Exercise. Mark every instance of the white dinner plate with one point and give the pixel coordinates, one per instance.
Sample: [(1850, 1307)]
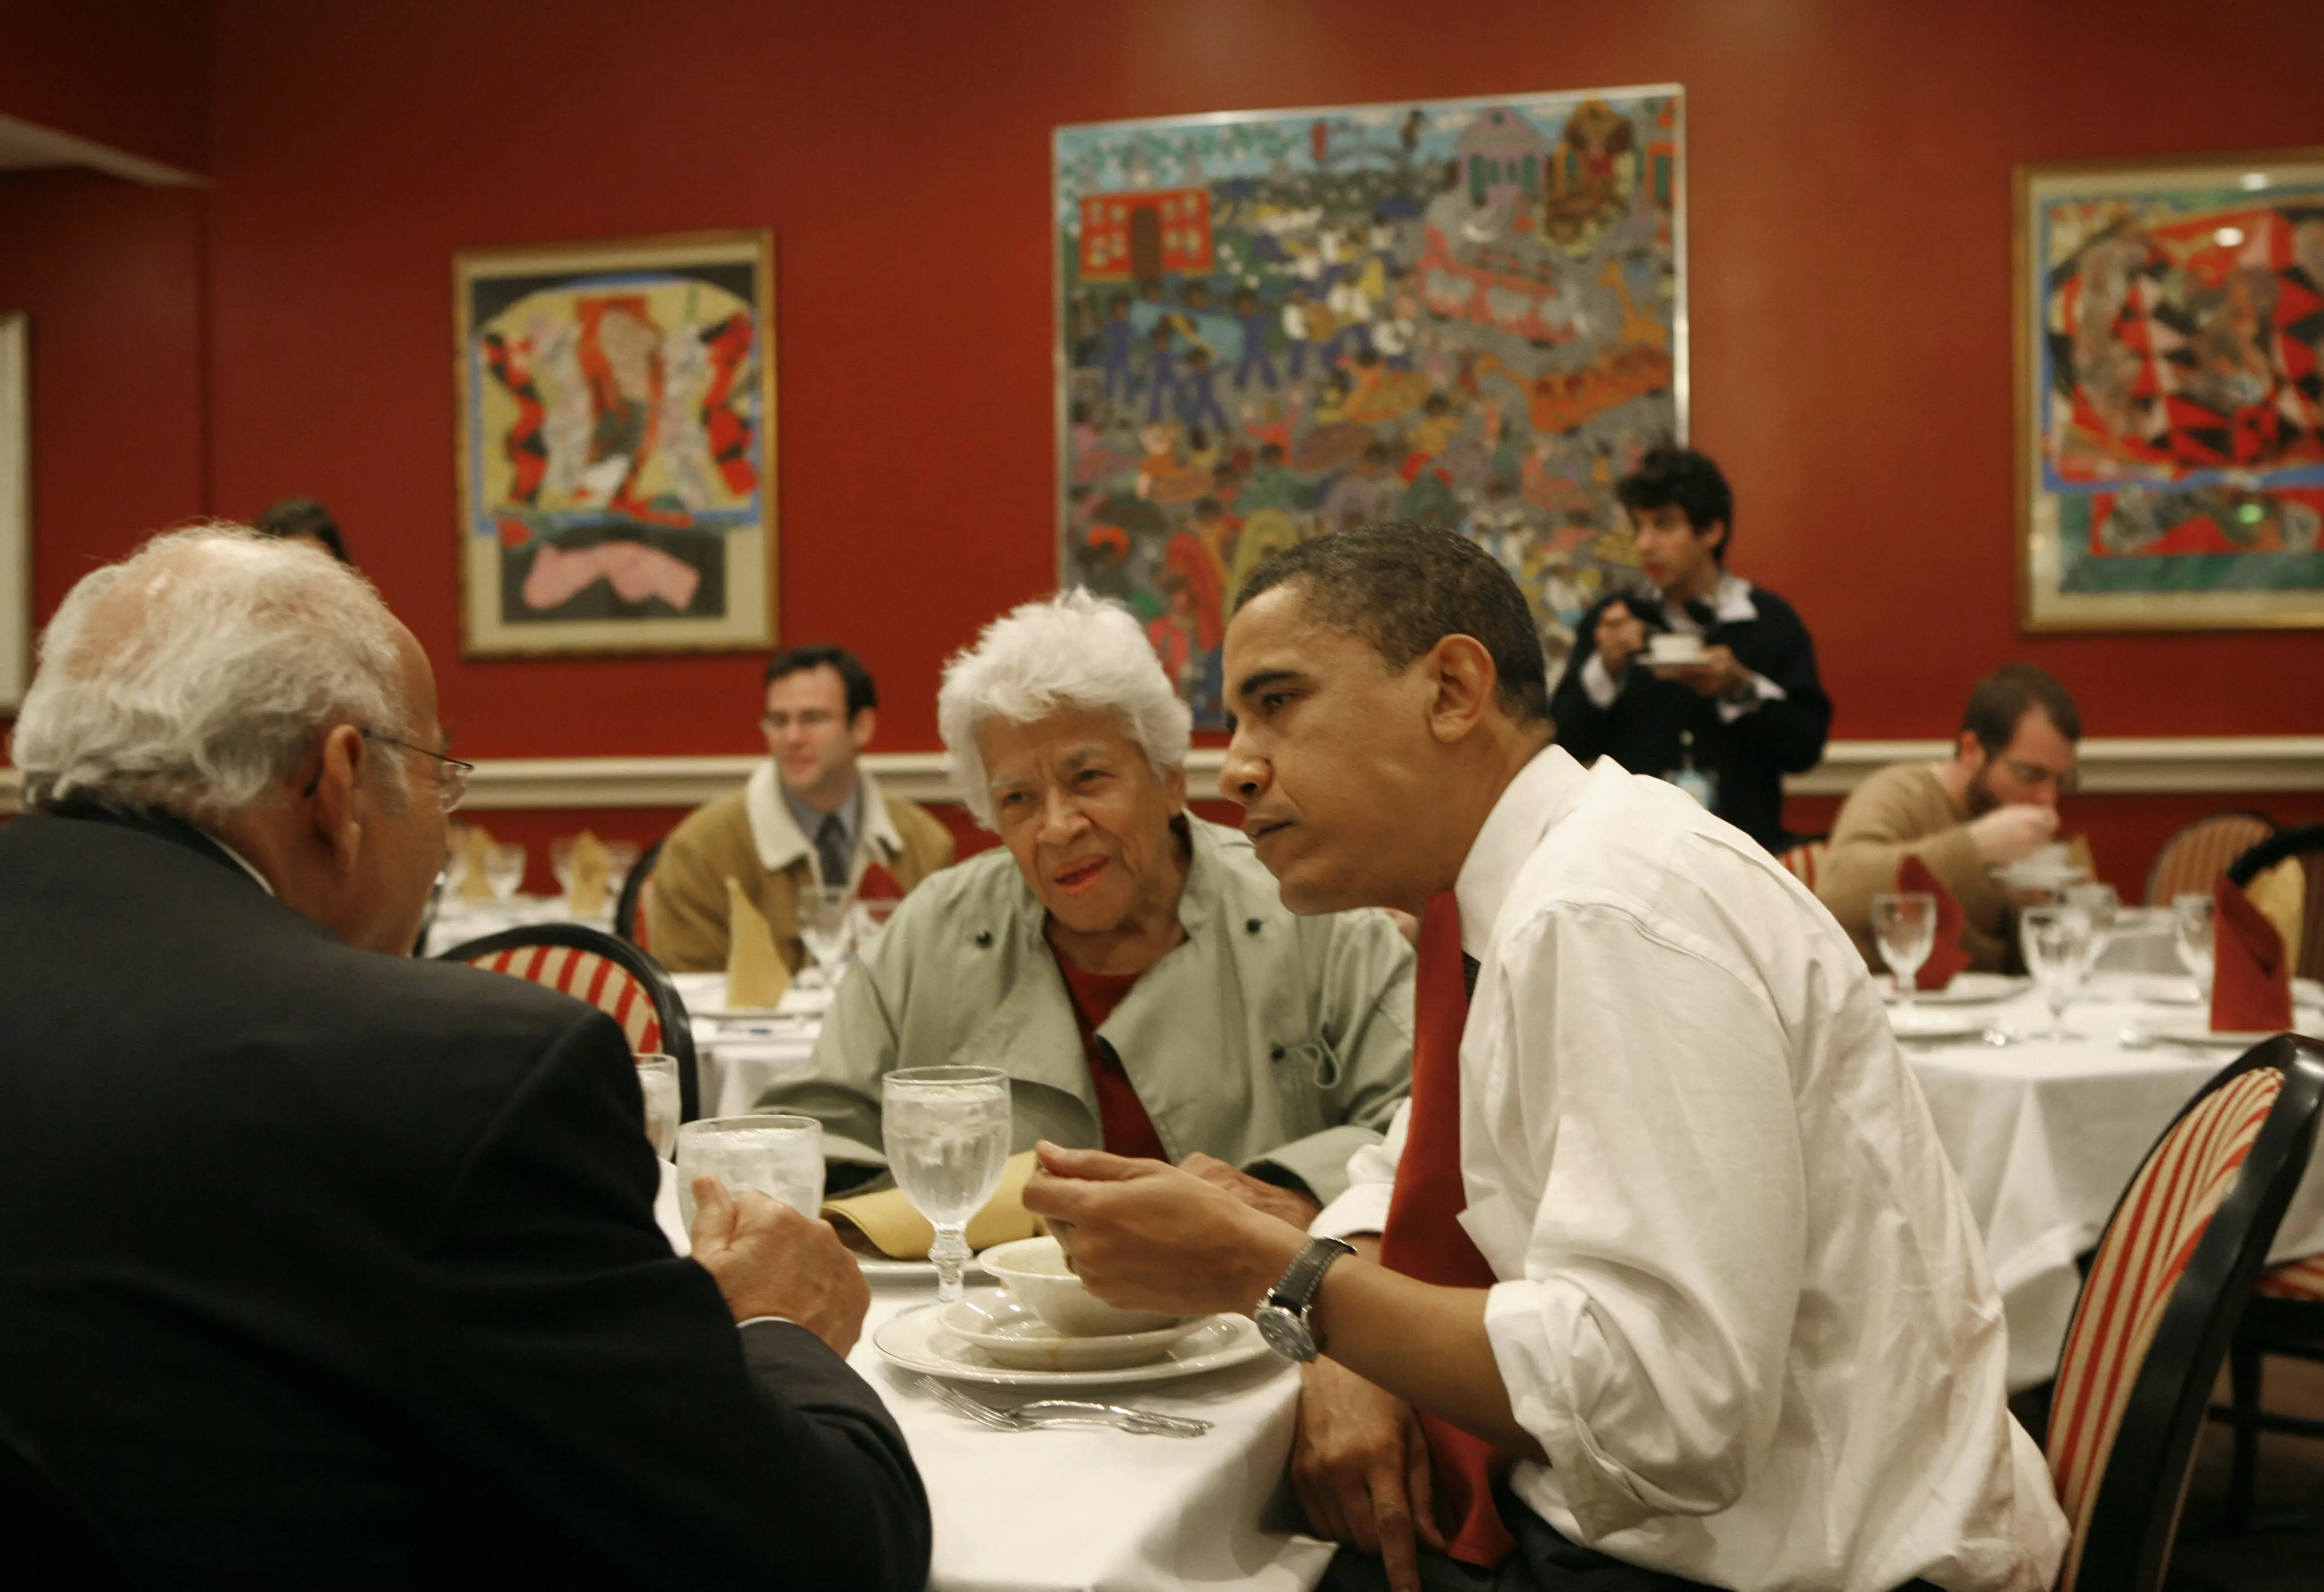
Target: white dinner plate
[(1967, 989), (919, 1341), (2195, 1029), (1935, 1027)]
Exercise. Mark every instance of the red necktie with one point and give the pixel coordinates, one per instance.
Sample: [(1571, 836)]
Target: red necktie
[(1424, 1237)]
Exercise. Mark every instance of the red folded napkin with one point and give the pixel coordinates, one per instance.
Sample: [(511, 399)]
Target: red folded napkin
[(2251, 978), (878, 884), (1946, 956)]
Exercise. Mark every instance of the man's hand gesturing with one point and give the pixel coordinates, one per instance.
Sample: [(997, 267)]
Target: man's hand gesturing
[(769, 1259)]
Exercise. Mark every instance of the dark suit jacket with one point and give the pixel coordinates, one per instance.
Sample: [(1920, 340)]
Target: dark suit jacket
[(326, 1268), (1750, 756)]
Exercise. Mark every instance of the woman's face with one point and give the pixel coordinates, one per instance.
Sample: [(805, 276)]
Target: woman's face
[(1082, 813)]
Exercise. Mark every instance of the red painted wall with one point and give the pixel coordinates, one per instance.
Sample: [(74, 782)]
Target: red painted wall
[(134, 74)]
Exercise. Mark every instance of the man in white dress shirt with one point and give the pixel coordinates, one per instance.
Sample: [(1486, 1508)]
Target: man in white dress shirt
[(1732, 1324)]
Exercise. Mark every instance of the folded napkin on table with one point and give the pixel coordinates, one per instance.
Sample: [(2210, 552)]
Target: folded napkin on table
[(901, 1233), (2281, 893), (2251, 976), (471, 844), (590, 864), (2079, 853), (1946, 956), (756, 976)]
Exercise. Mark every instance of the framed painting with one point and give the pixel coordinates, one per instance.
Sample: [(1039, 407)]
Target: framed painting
[(617, 445), (15, 511), (1272, 324), (2169, 401)]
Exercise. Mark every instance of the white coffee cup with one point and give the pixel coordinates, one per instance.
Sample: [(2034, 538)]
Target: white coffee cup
[(1674, 647)]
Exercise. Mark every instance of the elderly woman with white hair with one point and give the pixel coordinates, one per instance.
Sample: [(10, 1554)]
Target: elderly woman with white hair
[(1132, 967)]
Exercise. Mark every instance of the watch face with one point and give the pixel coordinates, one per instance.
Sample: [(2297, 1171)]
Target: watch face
[(1285, 1332)]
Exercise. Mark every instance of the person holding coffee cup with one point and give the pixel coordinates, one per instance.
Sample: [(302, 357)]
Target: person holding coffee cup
[(1711, 681)]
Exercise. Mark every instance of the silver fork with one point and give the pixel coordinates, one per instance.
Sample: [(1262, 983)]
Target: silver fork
[(1062, 1412)]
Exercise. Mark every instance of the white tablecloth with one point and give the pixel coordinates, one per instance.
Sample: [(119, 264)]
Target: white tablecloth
[(459, 921), (1096, 1510), (737, 1058), (2046, 1137)]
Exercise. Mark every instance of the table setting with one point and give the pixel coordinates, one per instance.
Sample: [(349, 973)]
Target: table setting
[(2047, 1090)]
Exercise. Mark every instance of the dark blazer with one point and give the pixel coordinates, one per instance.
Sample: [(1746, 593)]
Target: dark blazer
[(1750, 756), (325, 1268)]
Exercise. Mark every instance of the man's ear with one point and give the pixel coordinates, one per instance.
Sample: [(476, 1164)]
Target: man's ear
[(1463, 681), (860, 728), (332, 803), (1716, 537), (1970, 751)]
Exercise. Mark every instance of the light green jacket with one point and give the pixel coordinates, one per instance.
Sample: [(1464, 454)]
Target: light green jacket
[(1266, 1037)]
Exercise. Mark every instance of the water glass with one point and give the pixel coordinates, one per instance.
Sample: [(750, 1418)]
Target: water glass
[(827, 928), (658, 1082), (2100, 905), (2192, 928), (946, 1131), (2056, 942), (1904, 927), (505, 869), (777, 1155)]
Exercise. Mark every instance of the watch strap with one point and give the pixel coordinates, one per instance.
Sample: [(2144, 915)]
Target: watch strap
[(1297, 1289)]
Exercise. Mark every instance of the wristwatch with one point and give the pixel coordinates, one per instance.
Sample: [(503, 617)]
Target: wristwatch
[(1282, 1315)]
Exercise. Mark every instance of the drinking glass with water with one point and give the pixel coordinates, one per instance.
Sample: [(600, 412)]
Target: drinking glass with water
[(658, 1082), (1904, 927), (946, 1131), (2056, 941), (777, 1155), (2193, 929)]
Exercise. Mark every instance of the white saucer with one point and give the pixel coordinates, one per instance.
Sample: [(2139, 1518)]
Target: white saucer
[(1935, 1027), (1012, 1335), (1967, 989), (919, 1341)]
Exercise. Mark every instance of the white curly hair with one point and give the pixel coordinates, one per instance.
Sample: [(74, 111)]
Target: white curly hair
[(1073, 650), (198, 671)]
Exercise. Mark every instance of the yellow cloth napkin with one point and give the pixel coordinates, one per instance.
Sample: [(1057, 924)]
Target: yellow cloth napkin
[(901, 1233), (755, 975), (2078, 851), (2281, 893), (474, 843), (584, 893)]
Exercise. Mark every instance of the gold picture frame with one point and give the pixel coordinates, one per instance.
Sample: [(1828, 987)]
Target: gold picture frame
[(616, 446), (2169, 375)]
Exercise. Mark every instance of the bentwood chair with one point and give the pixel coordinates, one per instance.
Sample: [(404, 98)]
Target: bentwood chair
[(612, 974), (1804, 858), (2170, 1280), (2194, 858), (637, 891), (46, 1539)]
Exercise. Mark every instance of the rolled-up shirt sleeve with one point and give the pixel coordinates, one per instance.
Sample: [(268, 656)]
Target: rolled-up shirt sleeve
[(1644, 1346), (1371, 1180)]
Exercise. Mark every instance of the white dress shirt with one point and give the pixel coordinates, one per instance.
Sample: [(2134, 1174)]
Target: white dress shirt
[(1743, 1306), (1731, 603)]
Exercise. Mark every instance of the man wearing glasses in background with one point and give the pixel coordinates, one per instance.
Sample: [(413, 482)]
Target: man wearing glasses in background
[(1991, 804), (810, 816)]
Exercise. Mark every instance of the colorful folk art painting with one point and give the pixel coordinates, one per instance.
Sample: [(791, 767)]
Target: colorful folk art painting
[(616, 446), (1275, 325), (2172, 318)]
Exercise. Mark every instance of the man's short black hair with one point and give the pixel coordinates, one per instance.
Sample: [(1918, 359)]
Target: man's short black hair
[(303, 517), (1681, 476), (1404, 588), (2001, 699), (861, 692)]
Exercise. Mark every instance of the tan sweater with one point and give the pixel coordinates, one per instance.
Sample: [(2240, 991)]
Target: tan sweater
[(685, 913), (1904, 810)]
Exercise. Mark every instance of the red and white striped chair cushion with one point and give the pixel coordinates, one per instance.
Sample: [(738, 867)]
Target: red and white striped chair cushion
[(585, 975), (2299, 1279), (2145, 1248), (2194, 858), (1805, 860)]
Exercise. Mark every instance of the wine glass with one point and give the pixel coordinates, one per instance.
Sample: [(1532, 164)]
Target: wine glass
[(505, 869), (777, 1156), (1904, 927), (946, 1130), (828, 929), (2056, 941), (2191, 924), (658, 1082)]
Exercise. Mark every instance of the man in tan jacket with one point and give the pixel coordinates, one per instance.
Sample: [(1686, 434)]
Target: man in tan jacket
[(808, 816), (1992, 802)]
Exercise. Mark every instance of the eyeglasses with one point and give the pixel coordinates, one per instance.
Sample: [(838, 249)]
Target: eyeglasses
[(2034, 774), (451, 780)]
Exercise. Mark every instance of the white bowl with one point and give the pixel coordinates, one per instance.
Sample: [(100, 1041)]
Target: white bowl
[(1012, 1336), (1036, 1271)]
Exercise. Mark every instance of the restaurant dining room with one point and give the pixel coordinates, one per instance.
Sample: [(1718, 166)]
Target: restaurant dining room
[(1102, 795)]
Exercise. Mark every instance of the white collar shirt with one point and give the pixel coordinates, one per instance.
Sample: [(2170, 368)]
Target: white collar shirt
[(1743, 1306)]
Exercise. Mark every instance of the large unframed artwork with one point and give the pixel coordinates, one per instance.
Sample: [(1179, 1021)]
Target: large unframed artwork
[(2171, 402), (1277, 324), (616, 446)]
